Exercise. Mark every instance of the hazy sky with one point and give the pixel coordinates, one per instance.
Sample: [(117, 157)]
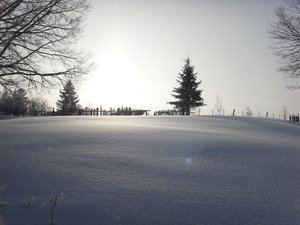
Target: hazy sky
[(139, 47)]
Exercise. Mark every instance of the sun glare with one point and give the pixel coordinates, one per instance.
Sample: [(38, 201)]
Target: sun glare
[(115, 82)]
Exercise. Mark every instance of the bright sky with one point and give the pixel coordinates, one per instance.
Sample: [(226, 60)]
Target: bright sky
[(139, 47)]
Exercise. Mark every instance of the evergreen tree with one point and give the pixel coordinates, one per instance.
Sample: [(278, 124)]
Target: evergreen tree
[(68, 103), (187, 94)]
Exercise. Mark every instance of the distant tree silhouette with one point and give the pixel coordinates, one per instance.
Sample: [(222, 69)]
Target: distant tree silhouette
[(286, 33), (19, 102), (284, 112), (248, 111), (6, 103), (219, 106), (36, 39), (14, 103), (187, 94), (68, 103), (37, 106)]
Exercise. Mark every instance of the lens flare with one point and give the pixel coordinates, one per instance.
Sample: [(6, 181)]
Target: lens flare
[(188, 160)]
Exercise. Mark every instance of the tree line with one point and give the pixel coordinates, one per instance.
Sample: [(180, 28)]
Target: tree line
[(187, 95), (17, 103), (68, 104)]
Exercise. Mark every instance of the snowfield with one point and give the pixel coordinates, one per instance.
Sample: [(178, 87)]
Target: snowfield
[(151, 170)]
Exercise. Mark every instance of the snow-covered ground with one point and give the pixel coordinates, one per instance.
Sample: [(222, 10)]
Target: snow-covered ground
[(151, 170)]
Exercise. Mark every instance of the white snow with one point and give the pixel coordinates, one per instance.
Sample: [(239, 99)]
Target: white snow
[(151, 170)]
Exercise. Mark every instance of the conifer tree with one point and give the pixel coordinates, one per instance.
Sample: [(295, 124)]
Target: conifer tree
[(68, 103), (187, 94)]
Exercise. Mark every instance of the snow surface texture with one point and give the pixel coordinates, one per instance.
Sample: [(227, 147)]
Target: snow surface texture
[(151, 170)]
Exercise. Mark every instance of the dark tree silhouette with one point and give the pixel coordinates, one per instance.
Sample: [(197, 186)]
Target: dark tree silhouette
[(68, 103), (36, 39), (286, 33), (19, 102), (6, 103), (37, 106), (188, 94), (14, 103)]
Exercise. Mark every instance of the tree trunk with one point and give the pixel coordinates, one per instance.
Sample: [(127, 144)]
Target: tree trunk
[(187, 110)]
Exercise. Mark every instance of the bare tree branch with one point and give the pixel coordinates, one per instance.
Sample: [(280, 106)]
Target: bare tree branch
[(36, 40), (285, 31)]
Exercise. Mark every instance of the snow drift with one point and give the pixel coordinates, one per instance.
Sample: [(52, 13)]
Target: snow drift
[(151, 170)]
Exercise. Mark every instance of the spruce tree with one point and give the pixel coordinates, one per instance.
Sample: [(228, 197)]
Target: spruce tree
[(187, 94), (67, 105)]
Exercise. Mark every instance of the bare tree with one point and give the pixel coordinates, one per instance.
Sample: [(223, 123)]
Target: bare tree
[(286, 33), (219, 106), (284, 112), (38, 106), (36, 42), (248, 111)]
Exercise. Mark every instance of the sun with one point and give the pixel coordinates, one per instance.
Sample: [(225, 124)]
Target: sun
[(115, 82), (116, 64)]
